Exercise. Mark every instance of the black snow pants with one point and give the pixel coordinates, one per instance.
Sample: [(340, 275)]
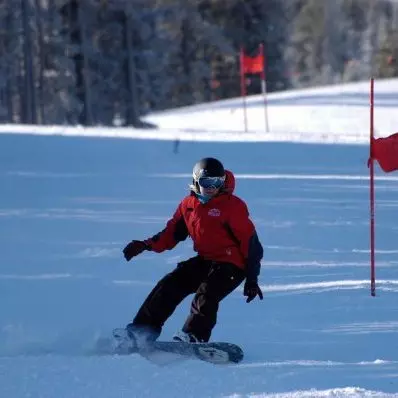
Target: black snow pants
[(210, 281)]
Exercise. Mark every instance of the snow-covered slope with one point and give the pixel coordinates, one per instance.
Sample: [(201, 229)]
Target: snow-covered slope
[(68, 205), (333, 114)]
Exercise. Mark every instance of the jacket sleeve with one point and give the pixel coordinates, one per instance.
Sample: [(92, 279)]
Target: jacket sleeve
[(175, 231), (244, 232)]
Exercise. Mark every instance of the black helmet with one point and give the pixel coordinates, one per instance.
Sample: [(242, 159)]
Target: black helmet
[(208, 168)]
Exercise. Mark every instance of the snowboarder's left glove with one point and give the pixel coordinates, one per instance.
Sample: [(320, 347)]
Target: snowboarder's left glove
[(134, 248), (251, 290)]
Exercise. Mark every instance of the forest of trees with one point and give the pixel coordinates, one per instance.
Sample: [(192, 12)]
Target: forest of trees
[(108, 62)]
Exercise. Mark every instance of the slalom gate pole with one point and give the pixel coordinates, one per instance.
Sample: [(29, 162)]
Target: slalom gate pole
[(264, 87), (243, 85), (372, 194)]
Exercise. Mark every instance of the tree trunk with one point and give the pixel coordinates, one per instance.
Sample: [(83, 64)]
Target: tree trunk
[(29, 92), (132, 111), (40, 33)]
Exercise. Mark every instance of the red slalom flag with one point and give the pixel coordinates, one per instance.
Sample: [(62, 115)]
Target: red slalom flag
[(253, 65), (385, 151)]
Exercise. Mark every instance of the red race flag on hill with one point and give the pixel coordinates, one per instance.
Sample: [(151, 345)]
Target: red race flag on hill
[(253, 65), (385, 151)]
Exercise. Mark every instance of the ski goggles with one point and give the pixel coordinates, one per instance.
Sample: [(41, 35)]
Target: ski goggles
[(211, 182)]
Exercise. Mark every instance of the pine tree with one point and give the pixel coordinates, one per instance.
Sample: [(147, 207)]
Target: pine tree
[(106, 58), (306, 50), (264, 21), (193, 43), (387, 58), (12, 67), (5, 86)]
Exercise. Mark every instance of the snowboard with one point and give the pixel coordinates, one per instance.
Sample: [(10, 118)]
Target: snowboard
[(219, 353), (164, 352)]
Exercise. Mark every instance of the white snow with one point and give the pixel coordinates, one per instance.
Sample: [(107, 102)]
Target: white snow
[(70, 201)]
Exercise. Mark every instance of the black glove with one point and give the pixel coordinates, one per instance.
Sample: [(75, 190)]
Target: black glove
[(251, 290), (134, 248)]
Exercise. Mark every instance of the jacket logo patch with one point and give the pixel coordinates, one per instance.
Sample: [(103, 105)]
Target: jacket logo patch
[(214, 213)]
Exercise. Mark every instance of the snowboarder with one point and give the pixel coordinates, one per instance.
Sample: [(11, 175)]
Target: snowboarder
[(228, 252)]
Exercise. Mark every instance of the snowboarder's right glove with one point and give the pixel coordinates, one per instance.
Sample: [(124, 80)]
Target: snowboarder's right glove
[(134, 248), (251, 290)]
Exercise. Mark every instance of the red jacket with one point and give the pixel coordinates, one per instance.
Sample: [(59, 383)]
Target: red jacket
[(221, 229)]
